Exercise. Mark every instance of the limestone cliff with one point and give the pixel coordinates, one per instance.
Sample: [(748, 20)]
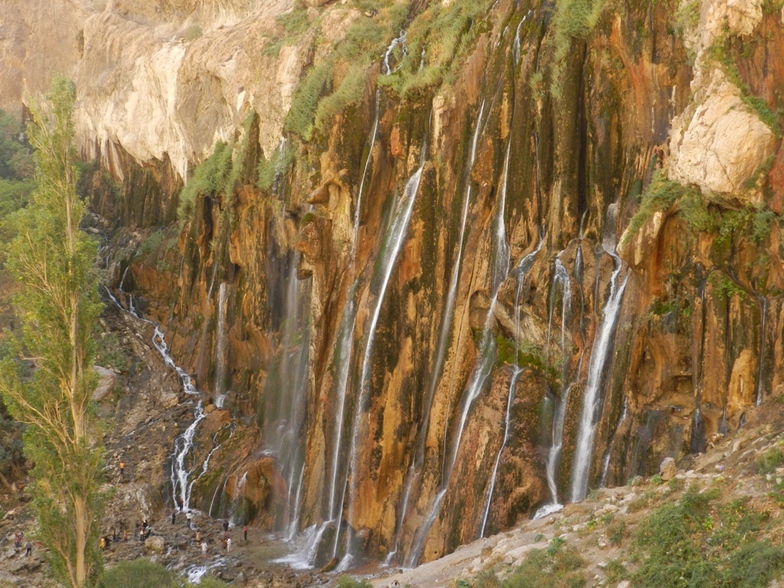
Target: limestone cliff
[(447, 262)]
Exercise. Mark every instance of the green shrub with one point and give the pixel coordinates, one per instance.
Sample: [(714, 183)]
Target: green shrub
[(349, 582), (615, 572), (348, 93), (299, 119), (697, 543), (659, 195), (768, 462), (558, 566), (209, 178), (445, 33), (573, 19), (139, 573), (616, 531)]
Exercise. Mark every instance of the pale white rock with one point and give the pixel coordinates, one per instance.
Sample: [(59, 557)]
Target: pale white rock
[(635, 247), (667, 469), (107, 379), (718, 143), (144, 87), (740, 17), (154, 544)]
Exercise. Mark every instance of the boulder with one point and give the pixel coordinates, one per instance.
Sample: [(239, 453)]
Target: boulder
[(667, 469), (154, 544), (107, 379)]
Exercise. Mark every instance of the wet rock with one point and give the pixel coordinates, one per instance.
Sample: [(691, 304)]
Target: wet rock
[(667, 469)]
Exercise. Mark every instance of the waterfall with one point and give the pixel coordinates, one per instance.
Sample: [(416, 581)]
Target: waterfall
[(342, 356), (443, 336), (484, 364), (592, 398), (221, 356), (397, 42), (606, 460), (561, 278), (385, 263), (184, 443), (763, 325), (287, 394), (521, 270)]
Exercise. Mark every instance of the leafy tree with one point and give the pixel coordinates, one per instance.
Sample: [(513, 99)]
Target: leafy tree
[(49, 384)]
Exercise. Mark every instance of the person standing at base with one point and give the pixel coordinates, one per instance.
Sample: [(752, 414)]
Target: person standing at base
[(245, 533), (228, 544), (28, 549), (204, 548), (188, 518)]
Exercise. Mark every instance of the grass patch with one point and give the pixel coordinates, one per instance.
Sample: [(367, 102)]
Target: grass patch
[(660, 195), (349, 93), (573, 19), (558, 566), (299, 119), (768, 462), (143, 573), (719, 54), (209, 178), (349, 582), (697, 542), (438, 41)]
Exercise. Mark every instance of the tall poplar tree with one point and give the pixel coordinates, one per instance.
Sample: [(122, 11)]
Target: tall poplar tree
[(49, 385)]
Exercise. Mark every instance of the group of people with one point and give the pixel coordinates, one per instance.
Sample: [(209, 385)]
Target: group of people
[(18, 537)]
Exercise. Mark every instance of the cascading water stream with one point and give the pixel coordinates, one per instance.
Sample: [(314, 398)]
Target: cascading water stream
[(182, 444), (443, 336), (286, 407), (561, 278), (221, 356), (520, 272), (592, 398), (344, 342), (607, 454), (484, 364), (386, 258), (763, 327)]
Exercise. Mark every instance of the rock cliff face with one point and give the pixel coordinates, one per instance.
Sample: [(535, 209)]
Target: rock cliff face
[(443, 278)]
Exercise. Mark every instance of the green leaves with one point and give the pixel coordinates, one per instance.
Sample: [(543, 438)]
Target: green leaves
[(49, 387)]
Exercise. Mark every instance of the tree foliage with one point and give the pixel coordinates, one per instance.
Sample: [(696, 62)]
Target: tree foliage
[(48, 386)]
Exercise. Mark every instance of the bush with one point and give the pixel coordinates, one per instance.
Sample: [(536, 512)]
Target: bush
[(349, 582), (558, 566), (348, 93), (660, 195), (698, 543), (210, 177), (299, 119), (768, 462), (139, 573), (143, 573), (572, 19), (445, 33)]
